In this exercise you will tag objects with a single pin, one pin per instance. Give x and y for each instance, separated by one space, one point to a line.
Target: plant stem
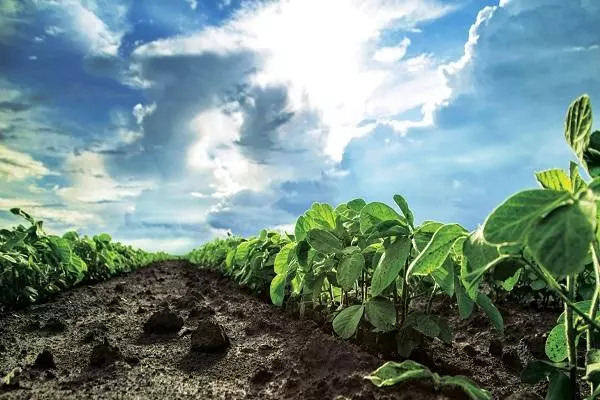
570 331
331 294
595 299
404 293
364 286
430 302
552 284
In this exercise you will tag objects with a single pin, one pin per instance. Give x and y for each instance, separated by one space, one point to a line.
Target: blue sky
166 124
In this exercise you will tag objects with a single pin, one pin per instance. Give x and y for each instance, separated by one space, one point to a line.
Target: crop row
35 265
367 263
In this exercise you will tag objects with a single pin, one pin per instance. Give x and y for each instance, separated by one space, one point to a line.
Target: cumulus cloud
503 118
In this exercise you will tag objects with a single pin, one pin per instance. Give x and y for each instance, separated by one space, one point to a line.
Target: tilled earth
172 331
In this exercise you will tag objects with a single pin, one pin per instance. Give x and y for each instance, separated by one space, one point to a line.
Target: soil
138 336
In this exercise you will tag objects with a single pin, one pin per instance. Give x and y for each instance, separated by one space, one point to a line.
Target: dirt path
95 337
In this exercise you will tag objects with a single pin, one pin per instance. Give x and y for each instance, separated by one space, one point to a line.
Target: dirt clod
512 361
45 360
261 376
209 337
163 322
104 354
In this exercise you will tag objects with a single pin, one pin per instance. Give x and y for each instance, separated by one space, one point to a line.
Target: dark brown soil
90 343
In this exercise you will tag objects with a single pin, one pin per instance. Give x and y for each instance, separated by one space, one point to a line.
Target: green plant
553 233
35 265
393 373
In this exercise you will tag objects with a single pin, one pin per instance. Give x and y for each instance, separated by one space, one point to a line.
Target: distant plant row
35 265
367 263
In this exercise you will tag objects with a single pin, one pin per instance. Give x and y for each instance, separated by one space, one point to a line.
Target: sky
169 123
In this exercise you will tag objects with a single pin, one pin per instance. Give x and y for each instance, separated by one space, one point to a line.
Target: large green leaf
324 241
282 259
356 204
403 204
578 125
435 253
511 220
346 322
323 215
277 289
392 373
555 179
429 325
375 213
390 265
381 313
560 241
62 248
350 269
302 227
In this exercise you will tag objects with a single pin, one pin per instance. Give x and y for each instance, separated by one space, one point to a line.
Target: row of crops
369 262
35 265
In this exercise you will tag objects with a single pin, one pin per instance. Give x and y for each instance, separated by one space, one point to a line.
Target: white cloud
17 166
91 183
193 4
98 26
389 55
140 112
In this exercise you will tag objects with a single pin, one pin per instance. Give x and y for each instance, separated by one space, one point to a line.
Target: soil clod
45 360
209 337
55 325
163 322
104 354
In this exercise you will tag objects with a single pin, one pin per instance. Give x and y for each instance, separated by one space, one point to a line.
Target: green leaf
435 253
560 387
592 366
346 322
578 125
104 238
390 265
479 257
429 325
392 373
511 220
356 204
62 248
591 155
350 269
555 179
407 339
444 276
324 241
302 227
538 370
403 204
381 313
560 241
277 289
323 215
556 344
468 386
375 213
583 306
491 311
425 232
465 303
282 259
